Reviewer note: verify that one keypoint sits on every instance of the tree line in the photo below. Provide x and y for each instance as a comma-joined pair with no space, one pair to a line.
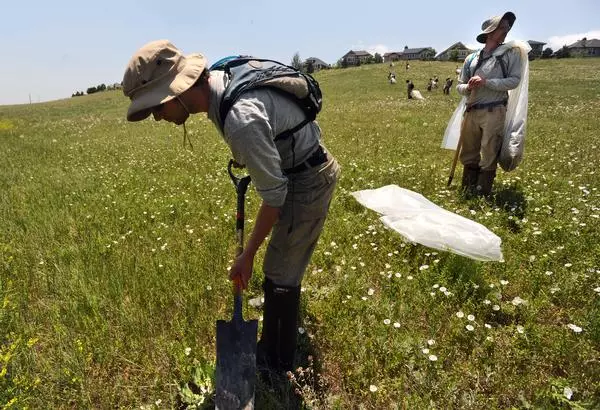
96,89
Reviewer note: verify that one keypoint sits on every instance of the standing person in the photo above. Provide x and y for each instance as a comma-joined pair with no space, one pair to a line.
295,177
407,66
409,88
447,86
485,79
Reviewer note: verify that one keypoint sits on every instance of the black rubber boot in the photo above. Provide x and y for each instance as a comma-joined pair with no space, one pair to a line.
469,179
277,345
485,181
289,303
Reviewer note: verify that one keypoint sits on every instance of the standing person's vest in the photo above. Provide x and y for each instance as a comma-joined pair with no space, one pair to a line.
248,73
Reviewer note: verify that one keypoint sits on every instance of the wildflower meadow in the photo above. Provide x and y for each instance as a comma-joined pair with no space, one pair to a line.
115,243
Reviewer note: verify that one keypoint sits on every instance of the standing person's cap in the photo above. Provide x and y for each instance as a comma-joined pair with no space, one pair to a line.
157,73
492,24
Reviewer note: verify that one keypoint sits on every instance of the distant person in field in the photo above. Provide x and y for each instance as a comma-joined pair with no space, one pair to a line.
409,88
434,83
392,78
429,84
294,176
485,79
447,86
407,66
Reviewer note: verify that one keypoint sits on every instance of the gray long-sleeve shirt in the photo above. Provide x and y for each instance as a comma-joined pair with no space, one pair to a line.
496,86
250,128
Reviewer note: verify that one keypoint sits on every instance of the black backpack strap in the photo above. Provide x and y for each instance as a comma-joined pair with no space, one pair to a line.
480,61
502,66
292,131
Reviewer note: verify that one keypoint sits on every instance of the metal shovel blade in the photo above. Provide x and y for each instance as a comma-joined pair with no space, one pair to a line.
236,361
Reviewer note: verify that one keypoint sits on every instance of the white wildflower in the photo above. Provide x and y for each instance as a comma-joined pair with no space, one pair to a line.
568,392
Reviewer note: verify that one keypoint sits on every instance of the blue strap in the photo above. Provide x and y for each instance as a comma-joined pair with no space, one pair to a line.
222,62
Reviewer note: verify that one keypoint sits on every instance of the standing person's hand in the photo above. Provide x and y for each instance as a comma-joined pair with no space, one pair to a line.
242,269
476,82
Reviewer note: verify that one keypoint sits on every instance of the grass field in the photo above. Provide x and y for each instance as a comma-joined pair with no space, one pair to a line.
115,243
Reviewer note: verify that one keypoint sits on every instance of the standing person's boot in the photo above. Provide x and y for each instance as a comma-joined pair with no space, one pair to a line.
267,354
276,348
485,182
289,305
469,179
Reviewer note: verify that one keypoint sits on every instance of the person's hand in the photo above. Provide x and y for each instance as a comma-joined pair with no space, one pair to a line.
475,82
241,271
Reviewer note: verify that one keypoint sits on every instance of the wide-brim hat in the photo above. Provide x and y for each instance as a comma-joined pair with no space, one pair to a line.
492,24
157,73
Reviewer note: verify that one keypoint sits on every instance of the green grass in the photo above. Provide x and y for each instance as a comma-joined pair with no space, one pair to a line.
115,243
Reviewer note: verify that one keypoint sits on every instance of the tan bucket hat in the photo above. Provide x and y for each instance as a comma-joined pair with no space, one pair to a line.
157,73
492,24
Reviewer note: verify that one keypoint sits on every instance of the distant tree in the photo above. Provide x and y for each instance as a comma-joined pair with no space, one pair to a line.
564,52
378,58
91,90
428,54
342,63
296,61
101,87
547,53
310,68
453,55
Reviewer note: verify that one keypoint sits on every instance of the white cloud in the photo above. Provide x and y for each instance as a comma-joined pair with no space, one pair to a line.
556,42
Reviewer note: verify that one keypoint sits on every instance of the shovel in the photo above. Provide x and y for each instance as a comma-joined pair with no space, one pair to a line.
236,339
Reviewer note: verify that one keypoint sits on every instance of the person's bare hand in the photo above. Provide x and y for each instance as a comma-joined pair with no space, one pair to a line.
241,271
476,82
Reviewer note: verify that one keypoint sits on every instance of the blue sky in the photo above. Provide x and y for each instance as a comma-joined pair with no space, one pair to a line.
54,48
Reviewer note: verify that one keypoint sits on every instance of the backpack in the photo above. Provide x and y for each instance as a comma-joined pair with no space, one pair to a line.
247,73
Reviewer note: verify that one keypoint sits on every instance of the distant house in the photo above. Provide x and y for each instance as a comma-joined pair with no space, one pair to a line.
421,53
585,48
536,49
356,57
461,50
317,63
392,56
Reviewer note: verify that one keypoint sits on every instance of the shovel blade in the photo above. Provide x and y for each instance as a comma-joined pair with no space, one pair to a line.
236,364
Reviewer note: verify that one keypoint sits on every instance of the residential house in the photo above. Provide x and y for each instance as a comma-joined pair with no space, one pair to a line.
462,52
585,48
392,56
421,53
317,63
536,49
356,57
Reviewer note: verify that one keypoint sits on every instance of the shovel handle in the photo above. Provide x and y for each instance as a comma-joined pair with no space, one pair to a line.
241,186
